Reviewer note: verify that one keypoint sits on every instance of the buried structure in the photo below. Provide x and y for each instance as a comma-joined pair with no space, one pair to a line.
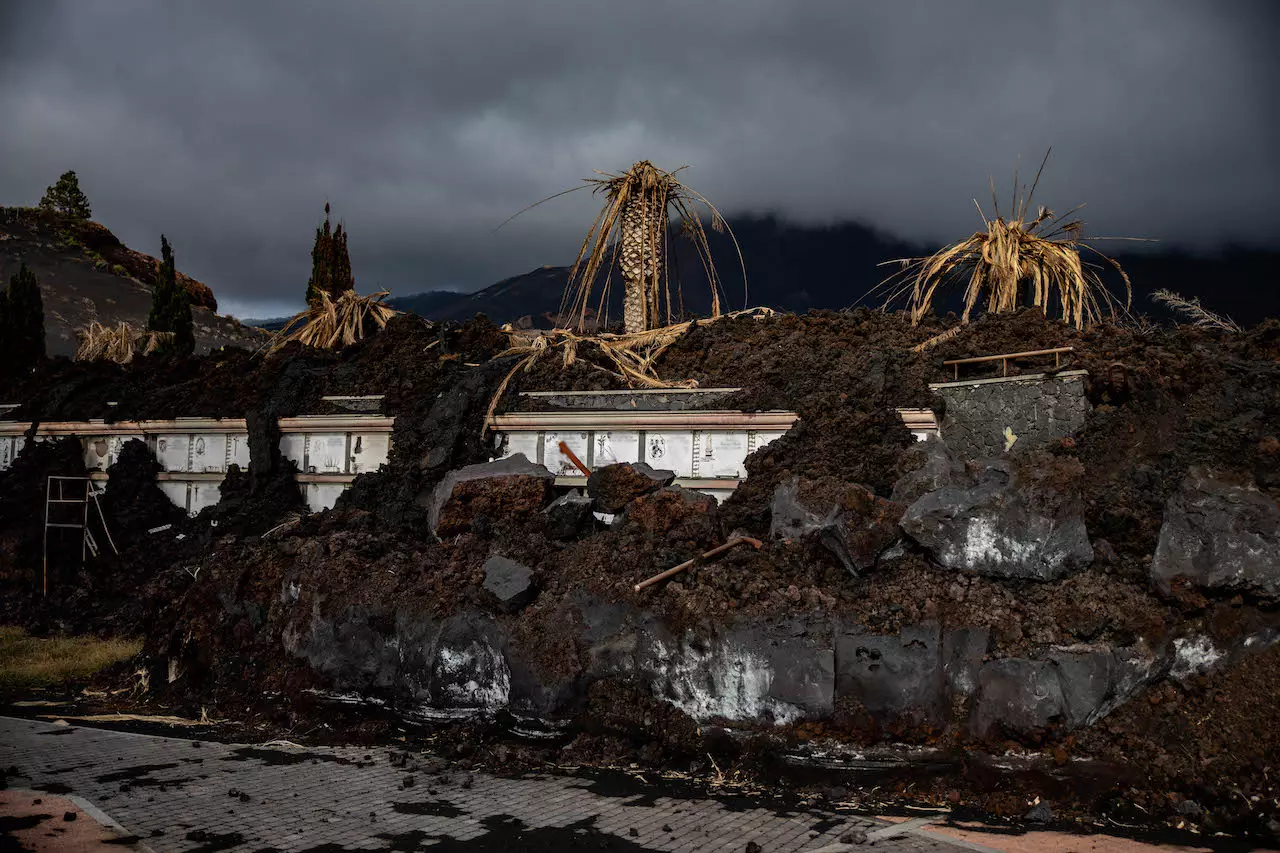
1049,576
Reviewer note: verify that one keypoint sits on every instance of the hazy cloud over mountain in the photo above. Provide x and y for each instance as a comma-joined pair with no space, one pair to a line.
228,125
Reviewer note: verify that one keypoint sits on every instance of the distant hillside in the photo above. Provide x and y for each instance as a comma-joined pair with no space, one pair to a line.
87,274
796,268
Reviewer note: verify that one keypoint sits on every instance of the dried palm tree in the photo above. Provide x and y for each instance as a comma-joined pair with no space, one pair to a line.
330,324
632,230
1012,263
119,344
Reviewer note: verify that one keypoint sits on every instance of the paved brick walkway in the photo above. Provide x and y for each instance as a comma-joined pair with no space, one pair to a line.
177,796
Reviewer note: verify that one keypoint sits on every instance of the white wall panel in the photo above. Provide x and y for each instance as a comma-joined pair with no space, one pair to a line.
369,451
611,446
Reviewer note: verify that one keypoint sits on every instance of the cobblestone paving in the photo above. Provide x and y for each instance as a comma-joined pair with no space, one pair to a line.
176,795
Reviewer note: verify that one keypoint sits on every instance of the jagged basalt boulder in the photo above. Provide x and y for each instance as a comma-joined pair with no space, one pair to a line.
929,466
846,518
677,513
614,486
511,584
1018,696
1005,520
1219,535
894,677
1074,687
963,651
568,515
510,488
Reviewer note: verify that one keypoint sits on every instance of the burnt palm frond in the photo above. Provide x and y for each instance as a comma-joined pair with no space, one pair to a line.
119,343
1022,260
333,324
1191,309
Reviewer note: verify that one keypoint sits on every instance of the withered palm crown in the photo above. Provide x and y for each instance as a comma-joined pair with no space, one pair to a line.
631,230
333,324
1012,263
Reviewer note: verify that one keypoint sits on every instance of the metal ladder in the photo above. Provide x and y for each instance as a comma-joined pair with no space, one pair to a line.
58,497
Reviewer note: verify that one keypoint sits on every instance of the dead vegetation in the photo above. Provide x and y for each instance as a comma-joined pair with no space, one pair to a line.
632,356
27,661
1013,263
631,231
333,324
119,343
1193,311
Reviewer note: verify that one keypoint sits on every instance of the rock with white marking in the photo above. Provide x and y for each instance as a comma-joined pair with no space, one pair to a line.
1219,535
1005,520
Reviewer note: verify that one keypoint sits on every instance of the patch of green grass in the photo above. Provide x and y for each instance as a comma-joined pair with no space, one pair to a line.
27,662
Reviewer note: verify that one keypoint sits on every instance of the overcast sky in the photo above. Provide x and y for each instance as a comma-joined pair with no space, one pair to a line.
228,125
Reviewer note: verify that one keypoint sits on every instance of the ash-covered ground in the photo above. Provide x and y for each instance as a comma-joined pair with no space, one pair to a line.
1151,629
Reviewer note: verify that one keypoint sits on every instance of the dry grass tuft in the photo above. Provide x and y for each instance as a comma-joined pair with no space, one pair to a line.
1195,312
631,356
28,662
1014,262
119,343
333,325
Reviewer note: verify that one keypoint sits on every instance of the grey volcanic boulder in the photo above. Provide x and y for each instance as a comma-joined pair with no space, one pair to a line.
511,583
846,518
929,466
1086,679
894,677
1076,686
962,653
614,486
767,673
1002,521
1219,535
1018,696
508,488
568,515
469,668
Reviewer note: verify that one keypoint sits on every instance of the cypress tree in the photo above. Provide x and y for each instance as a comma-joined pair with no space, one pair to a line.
66,199
330,263
23,323
170,304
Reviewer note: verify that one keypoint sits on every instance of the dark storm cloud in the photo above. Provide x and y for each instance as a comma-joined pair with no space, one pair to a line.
228,125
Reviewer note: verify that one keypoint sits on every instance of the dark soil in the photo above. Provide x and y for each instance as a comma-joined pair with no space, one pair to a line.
1164,400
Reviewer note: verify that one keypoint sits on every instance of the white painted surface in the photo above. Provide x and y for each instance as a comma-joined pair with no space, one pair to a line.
322,496
669,450
369,451
201,494
555,461
189,450
293,446
171,451
10,447
610,447
327,453
524,443
721,453
691,452
209,453
176,490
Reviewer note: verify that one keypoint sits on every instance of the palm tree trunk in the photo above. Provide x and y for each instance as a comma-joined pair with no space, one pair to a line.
641,263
